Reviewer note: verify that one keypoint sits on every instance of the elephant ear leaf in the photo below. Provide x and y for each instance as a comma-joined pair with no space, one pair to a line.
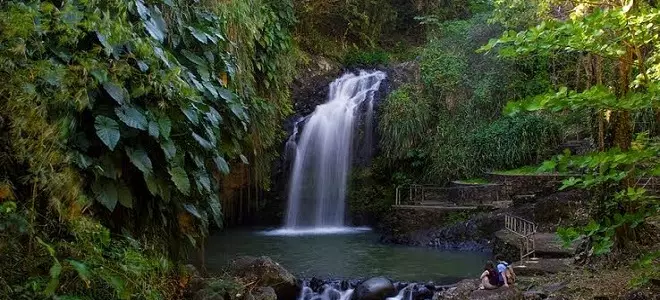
132,117
107,130
221,164
181,180
140,159
106,193
124,196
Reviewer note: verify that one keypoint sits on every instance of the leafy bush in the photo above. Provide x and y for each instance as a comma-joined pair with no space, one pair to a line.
510,142
358,58
403,122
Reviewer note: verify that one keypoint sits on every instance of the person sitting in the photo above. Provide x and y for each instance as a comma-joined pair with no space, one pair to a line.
489,278
506,275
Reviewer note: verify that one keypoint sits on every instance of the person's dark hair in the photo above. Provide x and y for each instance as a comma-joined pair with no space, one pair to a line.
489,265
498,257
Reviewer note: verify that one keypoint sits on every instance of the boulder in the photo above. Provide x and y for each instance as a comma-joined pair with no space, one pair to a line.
502,293
261,293
377,288
263,271
422,293
461,291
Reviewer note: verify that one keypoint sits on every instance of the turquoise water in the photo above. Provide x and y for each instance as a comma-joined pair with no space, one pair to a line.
344,256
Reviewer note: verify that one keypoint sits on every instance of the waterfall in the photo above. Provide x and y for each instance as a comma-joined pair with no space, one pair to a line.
322,156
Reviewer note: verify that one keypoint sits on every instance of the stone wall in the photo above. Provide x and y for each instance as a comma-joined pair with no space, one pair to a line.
476,194
442,229
538,185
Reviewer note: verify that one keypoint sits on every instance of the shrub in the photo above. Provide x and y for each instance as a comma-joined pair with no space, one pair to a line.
403,123
366,58
510,142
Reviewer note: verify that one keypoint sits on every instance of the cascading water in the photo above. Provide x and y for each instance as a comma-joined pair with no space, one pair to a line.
322,157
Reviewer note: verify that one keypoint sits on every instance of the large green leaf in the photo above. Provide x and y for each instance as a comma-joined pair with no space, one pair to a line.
124,196
81,269
194,58
154,129
169,149
211,88
203,181
216,211
54,282
106,193
156,25
214,117
198,34
132,117
191,114
225,94
107,130
221,164
107,167
115,91
140,159
192,209
181,180
165,126
158,187
202,142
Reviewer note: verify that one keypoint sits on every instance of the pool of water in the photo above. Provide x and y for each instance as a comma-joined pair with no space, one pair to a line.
349,255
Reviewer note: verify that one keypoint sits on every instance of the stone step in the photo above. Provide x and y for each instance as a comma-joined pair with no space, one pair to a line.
547,245
542,266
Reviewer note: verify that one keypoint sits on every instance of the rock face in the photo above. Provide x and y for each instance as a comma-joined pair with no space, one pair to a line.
404,73
267,273
374,289
261,293
431,228
502,293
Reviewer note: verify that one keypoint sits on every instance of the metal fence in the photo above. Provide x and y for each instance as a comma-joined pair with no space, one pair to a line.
418,194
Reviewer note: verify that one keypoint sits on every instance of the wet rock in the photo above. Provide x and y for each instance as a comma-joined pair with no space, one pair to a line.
344,285
461,291
334,295
374,289
192,279
534,295
502,293
267,273
422,293
261,293
316,284
430,228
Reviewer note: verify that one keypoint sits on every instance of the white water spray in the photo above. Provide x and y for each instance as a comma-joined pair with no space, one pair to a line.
322,158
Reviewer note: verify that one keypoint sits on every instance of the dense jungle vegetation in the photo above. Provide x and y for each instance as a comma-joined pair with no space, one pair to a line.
124,124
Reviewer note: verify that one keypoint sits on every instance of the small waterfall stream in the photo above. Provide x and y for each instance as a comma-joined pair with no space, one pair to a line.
322,155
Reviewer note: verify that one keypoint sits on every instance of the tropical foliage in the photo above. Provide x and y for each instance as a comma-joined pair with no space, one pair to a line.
121,117
617,45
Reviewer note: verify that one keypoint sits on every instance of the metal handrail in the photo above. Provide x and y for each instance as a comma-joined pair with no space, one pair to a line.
525,230
417,191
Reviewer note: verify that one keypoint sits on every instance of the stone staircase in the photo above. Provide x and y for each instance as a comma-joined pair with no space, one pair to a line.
539,252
